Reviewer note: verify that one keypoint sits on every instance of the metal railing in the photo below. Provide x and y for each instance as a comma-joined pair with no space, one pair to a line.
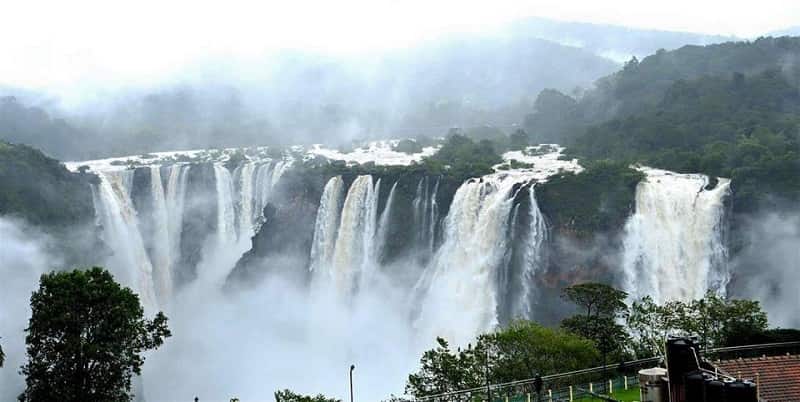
559,385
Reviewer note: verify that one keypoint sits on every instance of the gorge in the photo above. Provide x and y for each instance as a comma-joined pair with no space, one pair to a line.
327,251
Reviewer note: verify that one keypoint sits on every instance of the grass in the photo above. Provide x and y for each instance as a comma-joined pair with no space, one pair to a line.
629,395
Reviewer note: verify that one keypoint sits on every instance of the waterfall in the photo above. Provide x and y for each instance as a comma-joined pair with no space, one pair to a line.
244,221
534,255
673,246
263,185
434,217
426,214
226,227
175,201
325,227
383,224
162,251
460,298
352,256
117,216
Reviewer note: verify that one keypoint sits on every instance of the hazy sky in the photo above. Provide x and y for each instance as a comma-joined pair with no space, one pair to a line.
58,43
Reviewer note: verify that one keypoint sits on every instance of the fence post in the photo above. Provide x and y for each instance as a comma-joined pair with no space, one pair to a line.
626,382
506,398
550,394
610,386
529,397
570,393
590,388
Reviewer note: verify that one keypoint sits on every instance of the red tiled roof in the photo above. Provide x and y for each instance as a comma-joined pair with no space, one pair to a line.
778,376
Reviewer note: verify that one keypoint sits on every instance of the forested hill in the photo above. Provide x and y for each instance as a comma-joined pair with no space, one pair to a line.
729,110
641,85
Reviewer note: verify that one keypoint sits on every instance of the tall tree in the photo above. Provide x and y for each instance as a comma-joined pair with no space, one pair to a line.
600,308
85,338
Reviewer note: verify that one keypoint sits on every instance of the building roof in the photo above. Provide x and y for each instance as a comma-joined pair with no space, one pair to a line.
778,376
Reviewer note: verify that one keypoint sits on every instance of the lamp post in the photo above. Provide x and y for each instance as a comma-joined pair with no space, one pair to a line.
352,367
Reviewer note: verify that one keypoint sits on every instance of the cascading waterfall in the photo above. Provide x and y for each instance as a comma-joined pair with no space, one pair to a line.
674,247
175,200
460,291
244,221
162,251
263,185
115,212
426,214
534,254
352,256
325,227
226,226
383,224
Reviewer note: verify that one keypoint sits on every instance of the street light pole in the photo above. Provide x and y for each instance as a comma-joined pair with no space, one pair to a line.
352,367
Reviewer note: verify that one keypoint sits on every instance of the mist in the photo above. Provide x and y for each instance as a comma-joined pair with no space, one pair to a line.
282,334
767,266
24,259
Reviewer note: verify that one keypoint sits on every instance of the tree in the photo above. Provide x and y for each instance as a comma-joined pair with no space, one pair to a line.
524,349
519,140
445,371
2,356
716,321
85,338
603,306
518,351
290,396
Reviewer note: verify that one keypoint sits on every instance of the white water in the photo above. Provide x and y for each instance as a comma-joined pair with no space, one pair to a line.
226,226
175,200
534,255
325,229
460,284
244,218
673,246
162,250
115,212
352,256
383,224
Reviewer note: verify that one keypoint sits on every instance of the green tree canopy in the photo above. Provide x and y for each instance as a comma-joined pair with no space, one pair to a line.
518,351
85,338
717,321
290,396
600,306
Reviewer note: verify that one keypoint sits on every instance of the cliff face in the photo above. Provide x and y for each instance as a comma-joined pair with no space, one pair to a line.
284,240
42,192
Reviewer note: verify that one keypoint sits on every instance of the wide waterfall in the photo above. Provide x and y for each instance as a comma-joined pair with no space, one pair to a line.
325,228
115,212
353,253
460,298
146,243
674,246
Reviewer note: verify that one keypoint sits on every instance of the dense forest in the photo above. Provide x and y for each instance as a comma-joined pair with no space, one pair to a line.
727,110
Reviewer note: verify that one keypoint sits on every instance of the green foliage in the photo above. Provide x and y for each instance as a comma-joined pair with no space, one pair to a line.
603,306
408,146
41,190
289,396
525,348
718,322
520,350
443,370
85,338
519,140
462,158
597,199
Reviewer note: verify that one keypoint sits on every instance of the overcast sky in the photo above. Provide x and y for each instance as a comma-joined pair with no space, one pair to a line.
56,43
